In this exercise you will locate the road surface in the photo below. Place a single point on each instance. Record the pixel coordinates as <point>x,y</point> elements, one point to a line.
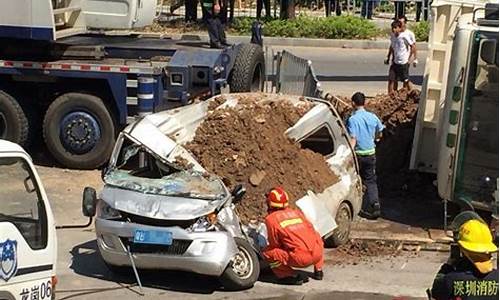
<point>345,71</point>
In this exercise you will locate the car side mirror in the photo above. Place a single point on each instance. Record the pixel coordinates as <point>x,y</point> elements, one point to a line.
<point>89,202</point>
<point>238,193</point>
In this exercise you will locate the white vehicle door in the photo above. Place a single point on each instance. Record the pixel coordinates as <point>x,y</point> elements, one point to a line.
<point>27,234</point>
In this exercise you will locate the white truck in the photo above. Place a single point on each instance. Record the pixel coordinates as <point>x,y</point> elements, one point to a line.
<point>456,134</point>
<point>28,247</point>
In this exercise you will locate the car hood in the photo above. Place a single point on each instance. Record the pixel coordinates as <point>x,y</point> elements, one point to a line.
<point>158,206</point>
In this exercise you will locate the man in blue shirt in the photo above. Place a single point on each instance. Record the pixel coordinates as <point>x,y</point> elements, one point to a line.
<point>364,128</point>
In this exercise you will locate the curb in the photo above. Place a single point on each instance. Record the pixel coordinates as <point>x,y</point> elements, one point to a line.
<point>295,42</point>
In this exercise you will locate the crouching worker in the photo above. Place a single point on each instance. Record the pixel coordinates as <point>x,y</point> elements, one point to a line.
<point>471,276</point>
<point>293,241</point>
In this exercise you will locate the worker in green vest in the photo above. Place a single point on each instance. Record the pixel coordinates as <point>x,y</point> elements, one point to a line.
<point>211,13</point>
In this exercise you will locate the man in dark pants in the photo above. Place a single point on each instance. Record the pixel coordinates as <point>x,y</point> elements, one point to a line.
<point>425,5</point>
<point>267,7</point>
<point>364,127</point>
<point>367,9</point>
<point>333,4</point>
<point>399,9</point>
<point>212,9</point>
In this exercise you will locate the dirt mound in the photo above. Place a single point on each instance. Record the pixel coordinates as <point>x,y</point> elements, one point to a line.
<point>398,113</point>
<point>247,145</point>
<point>357,251</point>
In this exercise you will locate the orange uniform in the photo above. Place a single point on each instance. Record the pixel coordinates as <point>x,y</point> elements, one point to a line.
<point>293,242</point>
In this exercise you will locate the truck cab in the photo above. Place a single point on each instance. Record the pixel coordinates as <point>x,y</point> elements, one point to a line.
<point>459,110</point>
<point>28,248</point>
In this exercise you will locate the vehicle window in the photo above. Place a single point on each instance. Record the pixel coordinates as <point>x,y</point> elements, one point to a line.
<point>478,170</point>
<point>320,141</point>
<point>20,201</point>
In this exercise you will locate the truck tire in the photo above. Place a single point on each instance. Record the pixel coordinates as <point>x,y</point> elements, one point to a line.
<point>343,218</point>
<point>14,125</point>
<point>243,269</point>
<point>79,131</point>
<point>248,70</point>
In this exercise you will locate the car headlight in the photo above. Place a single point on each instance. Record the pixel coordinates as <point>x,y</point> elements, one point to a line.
<point>105,211</point>
<point>204,224</point>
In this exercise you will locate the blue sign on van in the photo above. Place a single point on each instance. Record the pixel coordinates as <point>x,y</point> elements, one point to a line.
<point>8,259</point>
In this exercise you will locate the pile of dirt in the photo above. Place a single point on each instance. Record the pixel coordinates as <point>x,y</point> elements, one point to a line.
<point>246,145</point>
<point>398,113</point>
<point>358,251</point>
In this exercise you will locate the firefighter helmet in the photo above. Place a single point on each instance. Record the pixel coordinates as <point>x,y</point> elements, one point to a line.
<point>277,198</point>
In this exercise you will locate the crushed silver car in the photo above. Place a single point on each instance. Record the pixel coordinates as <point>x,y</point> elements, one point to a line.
<point>160,213</point>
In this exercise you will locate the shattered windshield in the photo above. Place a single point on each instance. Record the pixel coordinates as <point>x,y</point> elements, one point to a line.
<point>187,183</point>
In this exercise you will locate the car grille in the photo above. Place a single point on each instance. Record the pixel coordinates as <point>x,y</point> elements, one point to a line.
<point>126,217</point>
<point>178,247</point>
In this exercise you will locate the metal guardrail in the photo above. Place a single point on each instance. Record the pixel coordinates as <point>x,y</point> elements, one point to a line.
<point>295,76</point>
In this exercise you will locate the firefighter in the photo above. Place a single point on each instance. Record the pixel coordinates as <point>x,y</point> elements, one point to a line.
<point>293,242</point>
<point>211,14</point>
<point>471,276</point>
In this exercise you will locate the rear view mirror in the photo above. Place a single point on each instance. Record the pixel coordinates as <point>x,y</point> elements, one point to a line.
<point>89,202</point>
<point>489,52</point>
<point>238,193</point>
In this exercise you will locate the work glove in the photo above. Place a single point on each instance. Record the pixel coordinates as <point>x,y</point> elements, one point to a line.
<point>415,63</point>
<point>386,61</point>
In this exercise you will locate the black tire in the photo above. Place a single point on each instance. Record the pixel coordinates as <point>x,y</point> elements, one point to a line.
<point>240,277</point>
<point>14,125</point>
<point>248,70</point>
<point>92,116</point>
<point>343,218</point>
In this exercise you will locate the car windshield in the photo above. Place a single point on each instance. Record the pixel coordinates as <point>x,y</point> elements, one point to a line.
<point>179,184</point>
<point>139,170</point>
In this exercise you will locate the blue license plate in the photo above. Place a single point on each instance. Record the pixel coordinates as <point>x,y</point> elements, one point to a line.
<point>153,237</point>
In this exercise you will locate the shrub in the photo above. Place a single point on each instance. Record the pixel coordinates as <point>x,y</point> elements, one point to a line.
<point>341,27</point>
<point>421,31</point>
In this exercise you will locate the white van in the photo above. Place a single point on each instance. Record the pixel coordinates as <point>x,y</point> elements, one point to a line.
<point>28,248</point>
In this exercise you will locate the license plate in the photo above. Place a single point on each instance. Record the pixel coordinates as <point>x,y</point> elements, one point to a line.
<point>153,237</point>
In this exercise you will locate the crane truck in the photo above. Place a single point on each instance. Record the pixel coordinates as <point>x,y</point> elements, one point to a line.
<point>73,72</point>
<point>456,133</point>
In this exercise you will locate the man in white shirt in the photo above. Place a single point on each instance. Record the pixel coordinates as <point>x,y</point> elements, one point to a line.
<point>402,49</point>
<point>411,35</point>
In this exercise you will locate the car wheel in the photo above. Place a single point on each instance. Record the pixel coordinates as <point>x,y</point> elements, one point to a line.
<point>14,124</point>
<point>343,218</point>
<point>79,131</point>
<point>243,269</point>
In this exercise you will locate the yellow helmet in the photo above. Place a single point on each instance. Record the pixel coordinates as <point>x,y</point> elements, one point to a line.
<point>475,236</point>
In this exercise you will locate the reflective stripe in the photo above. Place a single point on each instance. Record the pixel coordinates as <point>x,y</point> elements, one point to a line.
<point>289,222</point>
<point>365,152</point>
<point>274,264</point>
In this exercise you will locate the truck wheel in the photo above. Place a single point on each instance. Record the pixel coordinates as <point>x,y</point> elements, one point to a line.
<point>79,131</point>
<point>243,269</point>
<point>14,124</point>
<point>248,70</point>
<point>343,218</point>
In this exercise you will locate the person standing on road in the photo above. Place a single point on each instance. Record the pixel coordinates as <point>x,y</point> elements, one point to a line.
<point>367,9</point>
<point>266,4</point>
<point>211,12</point>
<point>411,37</point>
<point>364,128</point>
<point>471,276</point>
<point>292,239</point>
<point>401,49</point>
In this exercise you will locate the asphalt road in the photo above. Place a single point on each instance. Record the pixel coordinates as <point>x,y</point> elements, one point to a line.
<point>345,71</point>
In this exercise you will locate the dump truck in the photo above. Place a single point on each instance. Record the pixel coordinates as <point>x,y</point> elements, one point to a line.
<point>28,245</point>
<point>456,133</point>
<point>72,72</point>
